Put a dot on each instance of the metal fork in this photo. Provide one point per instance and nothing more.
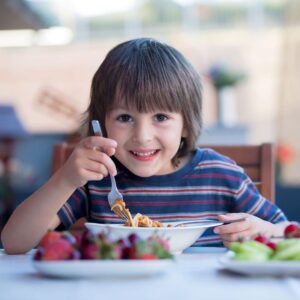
(207, 221)
(114, 194)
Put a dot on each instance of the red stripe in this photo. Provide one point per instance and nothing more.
(167, 203)
(244, 202)
(256, 206)
(265, 213)
(100, 202)
(243, 187)
(112, 217)
(276, 215)
(77, 199)
(68, 212)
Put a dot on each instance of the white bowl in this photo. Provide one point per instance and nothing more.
(179, 238)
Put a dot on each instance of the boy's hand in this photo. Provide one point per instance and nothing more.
(247, 228)
(90, 160)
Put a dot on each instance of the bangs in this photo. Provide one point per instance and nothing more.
(149, 79)
(146, 95)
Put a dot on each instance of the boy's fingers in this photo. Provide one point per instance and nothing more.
(99, 142)
(110, 151)
(231, 216)
(96, 166)
(233, 227)
(104, 159)
(237, 236)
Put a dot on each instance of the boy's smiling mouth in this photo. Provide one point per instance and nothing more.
(144, 155)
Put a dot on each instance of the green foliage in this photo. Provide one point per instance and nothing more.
(222, 76)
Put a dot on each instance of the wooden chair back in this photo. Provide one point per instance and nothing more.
(258, 162)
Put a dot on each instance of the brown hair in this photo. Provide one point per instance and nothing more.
(148, 75)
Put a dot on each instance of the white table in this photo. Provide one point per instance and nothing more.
(194, 276)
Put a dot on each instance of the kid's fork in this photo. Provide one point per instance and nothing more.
(114, 194)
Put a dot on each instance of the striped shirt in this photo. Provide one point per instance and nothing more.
(209, 185)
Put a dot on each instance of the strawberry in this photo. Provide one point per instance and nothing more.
(125, 252)
(49, 238)
(87, 237)
(58, 250)
(90, 251)
(130, 252)
(292, 230)
(266, 241)
(262, 239)
(272, 245)
(65, 246)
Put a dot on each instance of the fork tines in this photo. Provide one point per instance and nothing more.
(120, 213)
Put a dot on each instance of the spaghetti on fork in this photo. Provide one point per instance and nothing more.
(138, 220)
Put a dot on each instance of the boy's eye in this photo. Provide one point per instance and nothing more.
(161, 117)
(124, 118)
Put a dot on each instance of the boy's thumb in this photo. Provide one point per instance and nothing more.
(110, 151)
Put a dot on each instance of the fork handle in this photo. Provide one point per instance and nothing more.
(96, 127)
(113, 181)
(98, 131)
(207, 221)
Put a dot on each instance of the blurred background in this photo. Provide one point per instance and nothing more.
(247, 52)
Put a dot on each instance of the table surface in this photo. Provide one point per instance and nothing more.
(195, 275)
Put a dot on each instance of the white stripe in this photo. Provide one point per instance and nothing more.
(169, 191)
(83, 193)
(69, 213)
(243, 187)
(259, 204)
(220, 165)
(273, 219)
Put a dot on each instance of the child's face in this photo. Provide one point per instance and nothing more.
(146, 141)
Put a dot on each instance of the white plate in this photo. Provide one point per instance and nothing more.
(264, 268)
(102, 268)
(179, 238)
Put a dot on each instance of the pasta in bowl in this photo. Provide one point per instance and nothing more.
(179, 238)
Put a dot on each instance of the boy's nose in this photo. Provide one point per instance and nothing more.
(143, 133)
